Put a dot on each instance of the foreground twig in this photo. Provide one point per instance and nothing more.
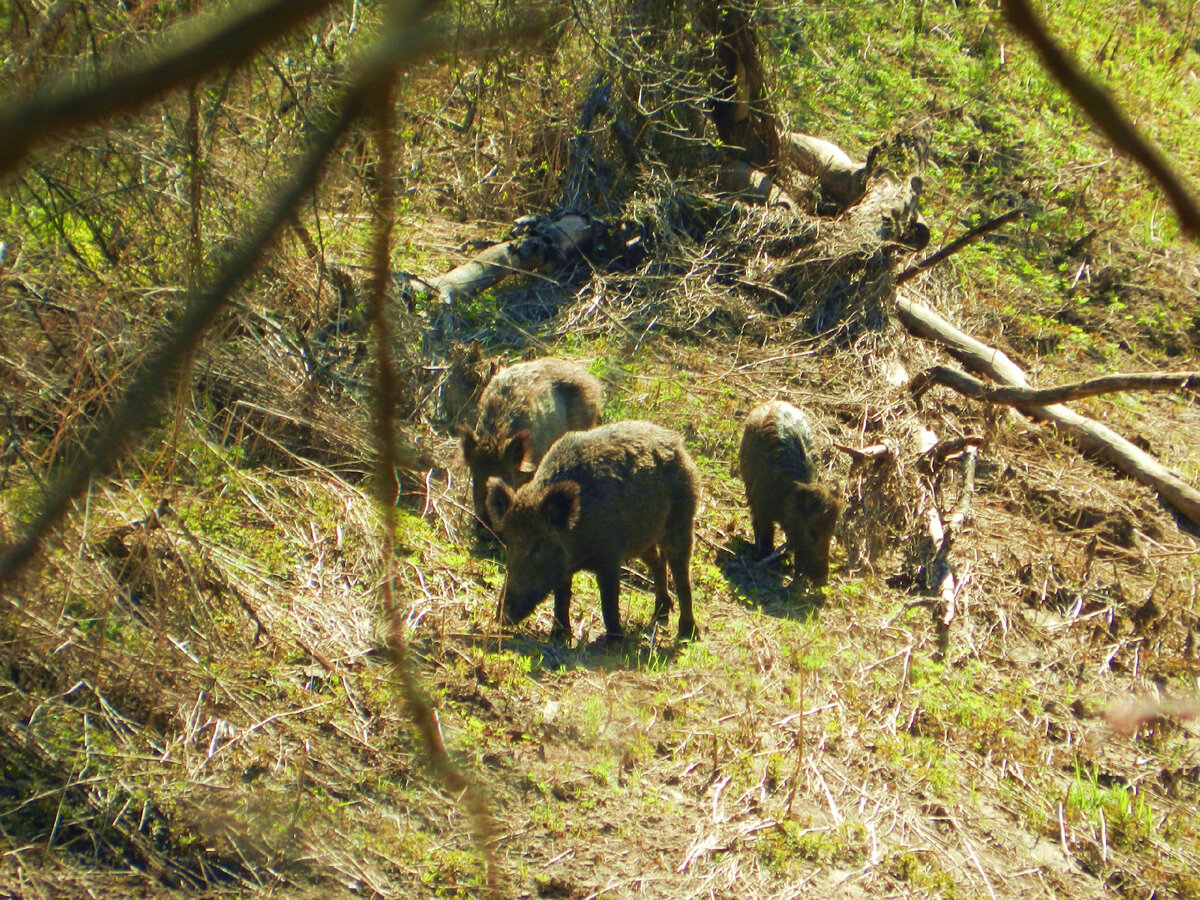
(137, 406)
(1106, 115)
(56, 111)
(420, 710)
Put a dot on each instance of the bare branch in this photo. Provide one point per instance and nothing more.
(1023, 396)
(135, 409)
(1092, 437)
(957, 244)
(133, 412)
(1106, 115)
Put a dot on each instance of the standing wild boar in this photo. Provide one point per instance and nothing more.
(524, 410)
(775, 460)
(598, 498)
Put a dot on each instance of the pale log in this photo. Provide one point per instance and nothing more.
(1090, 436)
(523, 254)
(842, 178)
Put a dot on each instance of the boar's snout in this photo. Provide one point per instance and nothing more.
(815, 565)
(518, 606)
(810, 517)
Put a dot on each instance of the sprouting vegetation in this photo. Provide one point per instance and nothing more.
(201, 692)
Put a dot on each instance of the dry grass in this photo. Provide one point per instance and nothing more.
(209, 675)
(196, 698)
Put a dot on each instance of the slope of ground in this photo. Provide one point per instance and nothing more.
(195, 699)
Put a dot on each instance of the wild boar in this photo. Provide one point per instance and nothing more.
(598, 498)
(523, 410)
(776, 463)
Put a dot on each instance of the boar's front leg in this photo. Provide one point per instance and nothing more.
(764, 536)
(608, 579)
(562, 612)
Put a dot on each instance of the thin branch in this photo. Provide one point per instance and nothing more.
(1106, 115)
(959, 243)
(79, 100)
(420, 709)
(1022, 396)
(134, 411)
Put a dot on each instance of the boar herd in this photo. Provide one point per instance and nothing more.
(564, 493)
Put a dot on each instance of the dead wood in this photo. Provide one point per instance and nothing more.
(937, 455)
(873, 453)
(941, 584)
(1092, 437)
(752, 184)
(889, 213)
(840, 177)
(539, 243)
(1019, 396)
(740, 108)
(957, 244)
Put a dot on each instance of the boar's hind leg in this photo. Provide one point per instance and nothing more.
(608, 579)
(562, 612)
(678, 551)
(658, 569)
(683, 590)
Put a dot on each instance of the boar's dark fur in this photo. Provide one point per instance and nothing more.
(598, 498)
(523, 410)
(776, 464)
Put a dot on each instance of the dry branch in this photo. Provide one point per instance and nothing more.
(539, 243)
(1021, 396)
(957, 244)
(421, 710)
(137, 405)
(1091, 437)
(842, 178)
(132, 412)
(873, 453)
(754, 184)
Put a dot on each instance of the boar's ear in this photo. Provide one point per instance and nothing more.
(499, 500)
(815, 500)
(519, 451)
(560, 504)
(468, 442)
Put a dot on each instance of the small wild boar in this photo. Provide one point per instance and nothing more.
(598, 498)
(523, 410)
(776, 464)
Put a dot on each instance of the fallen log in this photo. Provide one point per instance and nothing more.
(1091, 437)
(754, 184)
(840, 177)
(537, 243)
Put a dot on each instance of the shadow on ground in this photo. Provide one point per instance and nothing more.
(759, 584)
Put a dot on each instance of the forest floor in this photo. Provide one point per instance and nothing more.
(197, 700)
